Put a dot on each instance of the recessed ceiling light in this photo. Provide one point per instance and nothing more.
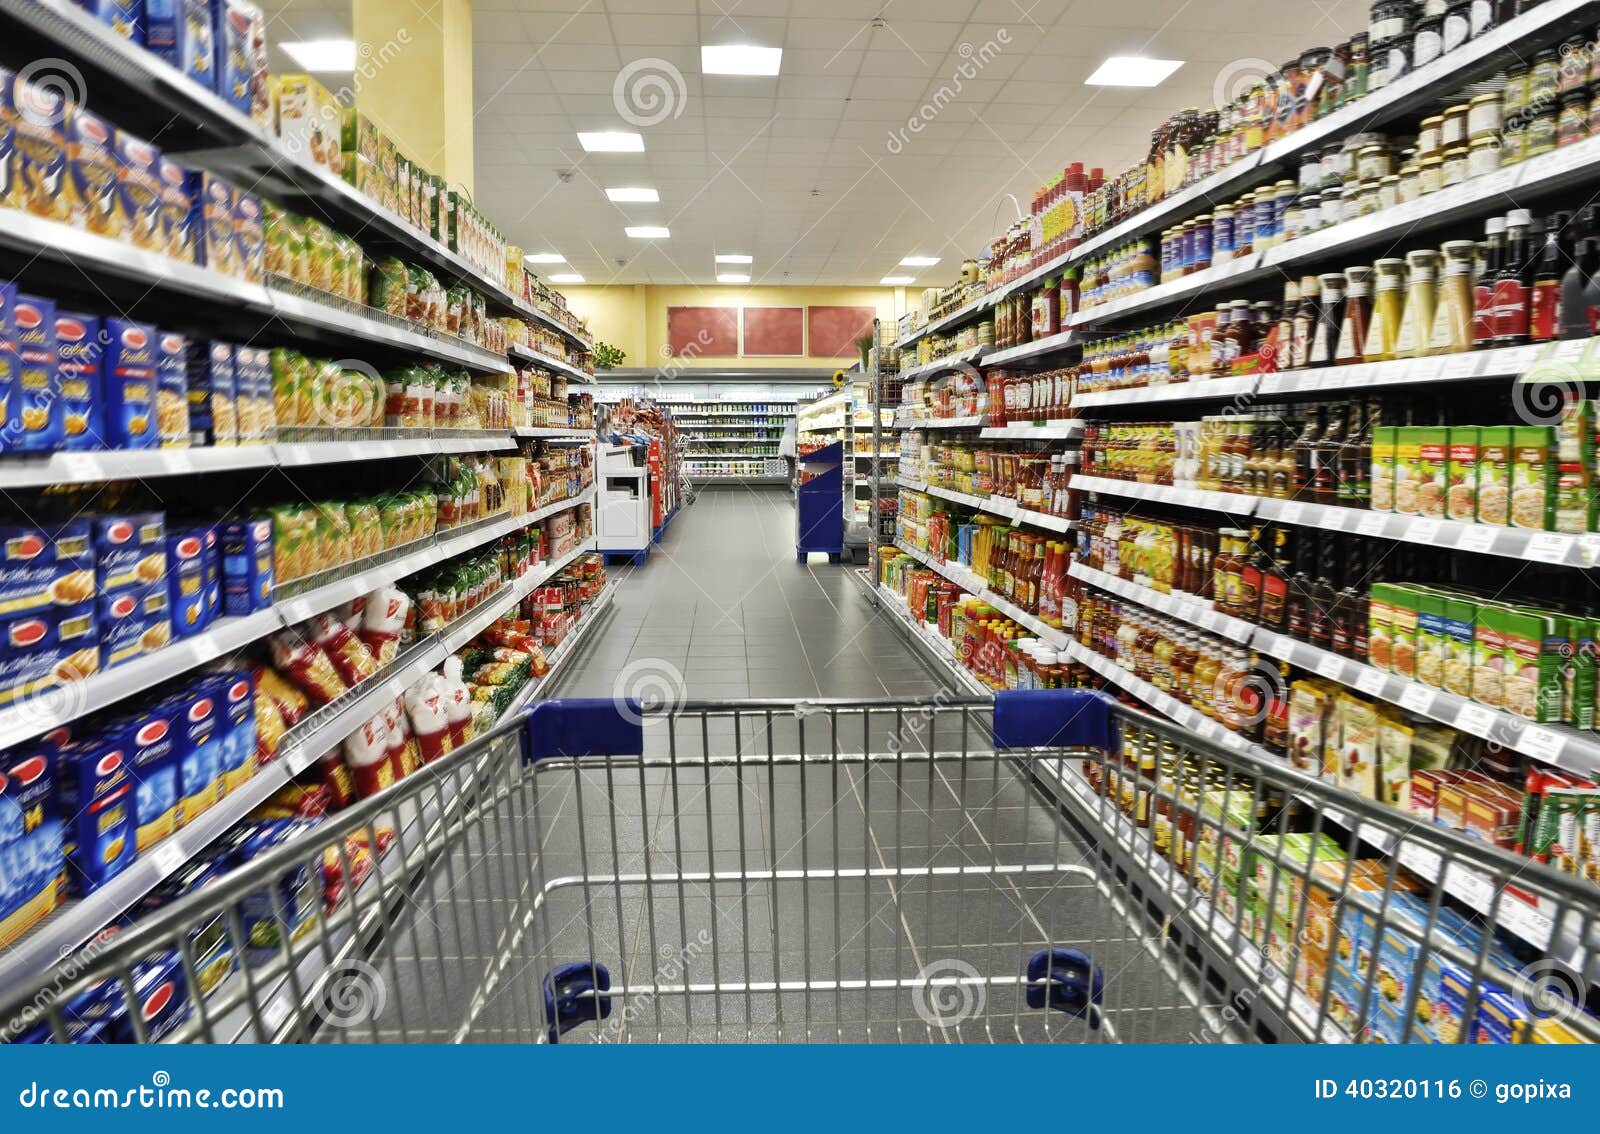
(732, 277)
(1132, 71)
(545, 258)
(626, 195)
(566, 277)
(647, 231)
(611, 142)
(323, 54)
(919, 261)
(740, 59)
(734, 258)
(897, 281)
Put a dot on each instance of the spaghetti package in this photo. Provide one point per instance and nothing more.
(351, 613)
(370, 758)
(307, 666)
(289, 702)
(430, 722)
(402, 744)
(383, 621)
(348, 653)
(457, 702)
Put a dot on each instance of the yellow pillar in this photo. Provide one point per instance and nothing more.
(413, 78)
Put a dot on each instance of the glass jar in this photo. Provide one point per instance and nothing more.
(1594, 112)
(1483, 156)
(1410, 182)
(1332, 211)
(1357, 69)
(1222, 238)
(1457, 24)
(1427, 44)
(1388, 191)
(1310, 173)
(1366, 198)
(1453, 127)
(1544, 78)
(1514, 142)
(1483, 116)
(1455, 166)
(1422, 274)
(1572, 122)
(1452, 318)
(1310, 212)
(1388, 302)
(1391, 61)
(1357, 316)
(1429, 134)
(1514, 91)
(1374, 162)
(1541, 133)
(1200, 243)
(1387, 19)
(1572, 64)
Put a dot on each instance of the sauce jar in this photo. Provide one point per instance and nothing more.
(1457, 24)
(1367, 198)
(1332, 211)
(1514, 92)
(1200, 243)
(1388, 191)
(1572, 64)
(1373, 162)
(1410, 182)
(1453, 128)
(1572, 122)
(1430, 174)
(1544, 78)
(1455, 166)
(1541, 133)
(1514, 142)
(1388, 19)
(1429, 135)
(1483, 116)
(1483, 156)
(1594, 113)
(1222, 238)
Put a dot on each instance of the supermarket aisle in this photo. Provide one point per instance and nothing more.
(723, 603)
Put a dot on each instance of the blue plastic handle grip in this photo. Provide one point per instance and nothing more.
(585, 726)
(1052, 718)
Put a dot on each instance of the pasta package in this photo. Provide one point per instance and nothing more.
(348, 653)
(307, 666)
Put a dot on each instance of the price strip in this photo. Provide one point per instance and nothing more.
(168, 855)
(1475, 719)
(1207, 618)
(1458, 366)
(1547, 547)
(1476, 537)
(1373, 523)
(1540, 743)
(1331, 667)
(1417, 698)
(1422, 531)
(1291, 512)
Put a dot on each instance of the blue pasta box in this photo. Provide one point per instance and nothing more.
(249, 231)
(235, 25)
(34, 423)
(149, 741)
(161, 998)
(42, 650)
(211, 558)
(213, 416)
(40, 155)
(211, 207)
(236, 690)
(172, 390)
(10, 188)
(10, 361)
(181, 32)
(199, 719)
(179, 220)
(292, 898)
(139, 185)
(30, 841)
(79, 348)
(96, 797)
(130, 550)
(246, 566)
(256, 412)
(186, 583)
(94, 174)
(125, 17)
(42, 567)
(129, 379)
(132, 624)
(209, 943)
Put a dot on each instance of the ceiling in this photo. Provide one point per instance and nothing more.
(804, 171)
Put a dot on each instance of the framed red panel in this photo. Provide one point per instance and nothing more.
(703, 332)
(833, 331)
(774, 332)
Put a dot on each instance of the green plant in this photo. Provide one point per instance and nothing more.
(608, 357)
(864, 345)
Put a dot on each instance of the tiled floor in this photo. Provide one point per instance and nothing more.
(722, 611)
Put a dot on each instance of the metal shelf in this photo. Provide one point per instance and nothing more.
(956, 361)
(538, 358)
(1066, 430)
(976, 421)
(1066, 340)
(977, 587)
(311, 318)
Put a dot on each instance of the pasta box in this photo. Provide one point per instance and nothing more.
(235, 692)
(128, 376)
(246, 566)
(186, 584)
(212, 393)
(93, 174)
(148, 740)
(43, 567)
(161, 995)
(10, 190)
(40, 150)
(30, 841)
(47, 648)
(181, 32)
(172, 390)
(96, 797)
(34, 420)
(78, 351)
(209, 943)
(132, 624)
(236, 26)
(211, 219)
(253, 394)
(125, 17)
(250, 235)
(130, 550)
(10, 361)
(179, 221)
(211, 562)
(197, 718)
(293, 898)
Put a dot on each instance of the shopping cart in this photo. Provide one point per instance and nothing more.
(681, 447)
(1042, 867)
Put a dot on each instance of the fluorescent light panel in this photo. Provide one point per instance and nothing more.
(566, 278)
(633, 195)
(1132, 71)
(545, 258)
(647, 231)
(897, 281)
(919, 261)
(323, 54)
(611, 142)
(732, 277)
(734, 258)
(740, 59)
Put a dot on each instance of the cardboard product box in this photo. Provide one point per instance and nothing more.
(310, 122)
(94, 174)
(148, 739)
(250, 236)
(212, 390)
(10, 358)
(10, 188)
(183, 33)
(124, 17)
(1408, 441)
(186, 585)
(1432, 467)
(181, 222)
(208, 941)
(79, 353)
(239, 32)
(132, 624)
(129, 379)
(40, 150)
(129, 549)
(35, 422)
(96, 803)
(211, 210)
(172, 390)
(211, 560)
(30, 840)
(1534, 643)
(47, 648)
(247, 578)
(1461, 494)
(235, 691)
(44, 567)
(1533, 477)
(198, 716)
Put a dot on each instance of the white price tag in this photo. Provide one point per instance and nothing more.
(1422, 531)
(1373, 523)
(79, 466)
(1417, 698)
(1331, 667)
(1475, 719)
(1477, 537)
(1547, 547)
(1540, 743)
(1291, 512)
(1458, 366)
(1571, 350)
(1589, 549)
(1207, 618)
(168, 856)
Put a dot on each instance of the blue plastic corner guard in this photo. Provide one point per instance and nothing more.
(1052, 718)
(585, 726)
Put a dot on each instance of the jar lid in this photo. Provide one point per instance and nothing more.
(1455, 111)
(1389, 264)
(1484, 99)
(1433, 162)
(1487, 142)
(1432, 123)
(1410, 169)
(1391, 179)
(1377, 148)
(1455, 152)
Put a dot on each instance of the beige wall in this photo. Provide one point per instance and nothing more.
(634, 316)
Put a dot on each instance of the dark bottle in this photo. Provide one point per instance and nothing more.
(1329, 446)
(1252, 576)
(1305, 454)
(1323, 592)
(1297, 604)
(1579, 314)
(1303, 332)
(1513, 287)
(1483, 311)
(1275, 582)
(1544, 322)
(1355, 459)
(1330, 317)
(1350, 604)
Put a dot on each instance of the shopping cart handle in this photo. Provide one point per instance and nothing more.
(584, 726)
(1052, 718)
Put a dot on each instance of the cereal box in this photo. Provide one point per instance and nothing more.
(79, 351)
(246, 566)
(139, 192)
(96, 798)
(181, 222)
(216, 244)
(250, 236)
(181, 32)
(130, 550)
(172, 390)
(41, 150)
(197, 719)
(30, 841)
(186, 588)
(35, 423)
(94, 174)
(132, 624)
(128, 376)
(212, 394)
(1533, 477)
